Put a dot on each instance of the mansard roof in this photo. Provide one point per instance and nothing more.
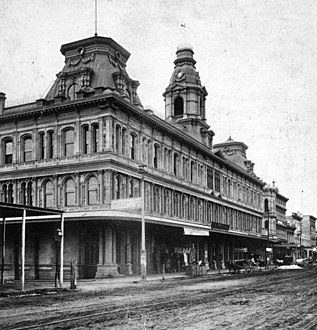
(94, 63)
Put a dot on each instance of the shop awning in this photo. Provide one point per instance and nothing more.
(19, 213)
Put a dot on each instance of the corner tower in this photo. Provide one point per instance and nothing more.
(185, 98)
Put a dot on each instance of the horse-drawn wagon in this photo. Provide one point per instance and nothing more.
(236, 266)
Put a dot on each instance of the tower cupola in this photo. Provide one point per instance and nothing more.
(185, 97)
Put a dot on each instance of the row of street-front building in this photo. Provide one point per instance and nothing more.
(132, 186)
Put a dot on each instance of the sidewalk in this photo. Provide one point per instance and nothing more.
(13, 287)
(41, 287)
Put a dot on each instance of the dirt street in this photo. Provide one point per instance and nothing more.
(277, 299)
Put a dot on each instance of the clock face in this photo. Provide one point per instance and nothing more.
(180, 74)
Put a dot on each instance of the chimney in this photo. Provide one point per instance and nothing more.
(2, 102)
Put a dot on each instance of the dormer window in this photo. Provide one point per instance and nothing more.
(178, 106)
(71, 94)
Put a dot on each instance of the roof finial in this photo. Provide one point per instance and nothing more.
(96, 18)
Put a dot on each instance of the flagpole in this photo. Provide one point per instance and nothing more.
(96, 18)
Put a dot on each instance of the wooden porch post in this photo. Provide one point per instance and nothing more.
(3, 249)
(61, 258)
(23, 251)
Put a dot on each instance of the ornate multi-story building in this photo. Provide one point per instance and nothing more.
(79, 150)
(308, 235)
(295, 220)
(278, 228)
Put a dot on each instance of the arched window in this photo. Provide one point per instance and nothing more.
(185, 206)
(144, 150)
(169, 203)
(7, 193)
(94, 138)
(167, 160)
(123, 144)
(229, 187)
(72, 91)
(41, 146)
(193, 208)
(217, 181)
(185, 168)
(149, 152)
(132, 146)
(26, 149)
(48, 194)
(178, 106)
(156, 155)
(176, 164)
(92, 190)
(68, 142)
(200, 210)
(192, 171)
(4, 193)
(85, 139)
(69, 192)
(118, 138)
(23, 193)
(117, 187)
(29, 194)
(10, 193)
(175, 202)
(50, 144)
(266, 205)
(8, 151)
(157, 199)
(131, 188)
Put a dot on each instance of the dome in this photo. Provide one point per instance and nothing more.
(184, 70)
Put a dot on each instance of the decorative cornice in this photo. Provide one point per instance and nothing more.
(114, 101)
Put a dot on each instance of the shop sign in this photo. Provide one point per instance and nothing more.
(128, 203)
(244, 250)
(217, 225)
(196, 231)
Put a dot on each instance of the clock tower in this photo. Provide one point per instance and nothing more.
(185, 98)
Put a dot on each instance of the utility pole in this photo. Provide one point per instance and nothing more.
(267, 210)
(143, 250)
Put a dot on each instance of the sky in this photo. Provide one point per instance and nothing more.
(257, 60)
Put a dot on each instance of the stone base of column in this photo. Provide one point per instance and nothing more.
(109, 270)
